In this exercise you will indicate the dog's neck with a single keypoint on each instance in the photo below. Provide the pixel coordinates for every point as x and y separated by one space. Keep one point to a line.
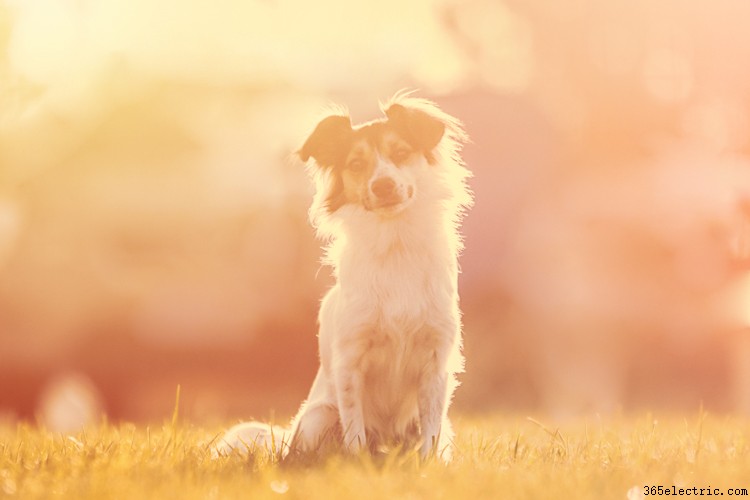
418 236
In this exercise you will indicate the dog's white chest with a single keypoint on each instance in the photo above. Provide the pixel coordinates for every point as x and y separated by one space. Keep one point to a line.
399 291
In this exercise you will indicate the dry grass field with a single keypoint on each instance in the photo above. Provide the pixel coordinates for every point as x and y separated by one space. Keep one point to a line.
497 457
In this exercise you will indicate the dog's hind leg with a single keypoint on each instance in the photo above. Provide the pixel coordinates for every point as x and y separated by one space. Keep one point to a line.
317 422
317 428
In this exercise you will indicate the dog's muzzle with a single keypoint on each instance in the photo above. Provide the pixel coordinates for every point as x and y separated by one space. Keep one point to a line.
386 194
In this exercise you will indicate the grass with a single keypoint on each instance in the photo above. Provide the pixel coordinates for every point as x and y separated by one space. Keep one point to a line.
496 457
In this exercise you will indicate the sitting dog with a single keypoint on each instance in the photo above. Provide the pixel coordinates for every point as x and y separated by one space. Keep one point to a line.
390 197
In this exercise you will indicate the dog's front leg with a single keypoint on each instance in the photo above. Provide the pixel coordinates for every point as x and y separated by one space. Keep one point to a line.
431 399
349 378
349 395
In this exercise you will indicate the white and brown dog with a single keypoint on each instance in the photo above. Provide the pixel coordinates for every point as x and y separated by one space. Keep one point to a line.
390 197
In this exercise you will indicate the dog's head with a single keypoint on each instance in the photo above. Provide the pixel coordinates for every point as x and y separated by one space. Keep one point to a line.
374 165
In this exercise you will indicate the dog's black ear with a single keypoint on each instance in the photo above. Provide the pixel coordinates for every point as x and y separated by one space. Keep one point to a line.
420 129
327 143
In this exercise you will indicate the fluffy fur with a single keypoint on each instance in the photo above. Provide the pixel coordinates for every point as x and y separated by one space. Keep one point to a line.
390 197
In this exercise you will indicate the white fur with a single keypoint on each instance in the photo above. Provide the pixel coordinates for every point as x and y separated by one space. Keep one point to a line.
390 329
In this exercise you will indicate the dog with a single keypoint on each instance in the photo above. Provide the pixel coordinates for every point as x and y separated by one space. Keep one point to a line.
391 194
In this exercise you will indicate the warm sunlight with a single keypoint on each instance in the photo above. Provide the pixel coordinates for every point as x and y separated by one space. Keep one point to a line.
161 279
154 225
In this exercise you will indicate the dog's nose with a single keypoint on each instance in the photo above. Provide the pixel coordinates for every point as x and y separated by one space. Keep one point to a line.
383 187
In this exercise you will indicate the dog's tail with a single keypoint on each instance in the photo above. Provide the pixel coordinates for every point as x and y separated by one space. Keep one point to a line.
254 437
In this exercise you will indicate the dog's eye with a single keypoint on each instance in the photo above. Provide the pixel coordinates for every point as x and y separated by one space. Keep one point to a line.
356 165
400 155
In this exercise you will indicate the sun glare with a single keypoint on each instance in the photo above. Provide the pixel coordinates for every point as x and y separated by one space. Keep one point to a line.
153 205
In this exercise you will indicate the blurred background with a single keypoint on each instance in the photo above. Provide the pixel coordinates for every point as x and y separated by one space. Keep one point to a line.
153 225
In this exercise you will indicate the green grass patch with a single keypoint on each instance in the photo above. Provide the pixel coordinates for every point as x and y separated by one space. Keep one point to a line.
496 457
